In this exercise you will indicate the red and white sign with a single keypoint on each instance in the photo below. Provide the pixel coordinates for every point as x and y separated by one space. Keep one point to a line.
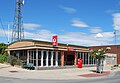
54 40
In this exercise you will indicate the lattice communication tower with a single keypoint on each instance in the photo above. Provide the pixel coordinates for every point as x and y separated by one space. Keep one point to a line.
18 30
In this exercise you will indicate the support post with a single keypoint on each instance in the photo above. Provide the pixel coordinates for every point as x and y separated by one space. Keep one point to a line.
75 58
56 60
62 58
52 58
27 56
42 58
36 58
46 58
88 58
83 60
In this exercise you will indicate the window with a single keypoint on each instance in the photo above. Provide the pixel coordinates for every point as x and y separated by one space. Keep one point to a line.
44 58
59 58
54 57
49 58
32 57
39 58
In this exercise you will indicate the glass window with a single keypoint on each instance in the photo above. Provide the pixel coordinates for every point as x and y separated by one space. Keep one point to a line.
44 58
34 54
34 62
32 57
86 58
59 58
81 55
39 54
54 57
39 58
49 58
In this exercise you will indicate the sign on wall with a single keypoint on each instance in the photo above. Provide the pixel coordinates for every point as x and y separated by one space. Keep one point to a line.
54 40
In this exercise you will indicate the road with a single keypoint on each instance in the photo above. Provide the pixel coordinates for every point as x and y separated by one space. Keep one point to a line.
113 78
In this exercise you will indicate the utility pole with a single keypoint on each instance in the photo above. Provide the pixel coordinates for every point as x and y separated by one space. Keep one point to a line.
18 30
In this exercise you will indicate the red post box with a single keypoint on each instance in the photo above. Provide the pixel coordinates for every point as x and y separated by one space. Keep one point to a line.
79 63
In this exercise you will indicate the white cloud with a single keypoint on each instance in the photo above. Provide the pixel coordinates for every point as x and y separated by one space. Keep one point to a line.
2 34
68 9
116 19
44 35
76 38
31 26
78 23
105 38
99 35
95 30
5 33
79 38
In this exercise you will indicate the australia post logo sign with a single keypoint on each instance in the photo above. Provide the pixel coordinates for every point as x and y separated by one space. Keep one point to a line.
54 40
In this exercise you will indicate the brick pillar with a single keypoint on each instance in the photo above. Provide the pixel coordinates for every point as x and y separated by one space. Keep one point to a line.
75 58
62 58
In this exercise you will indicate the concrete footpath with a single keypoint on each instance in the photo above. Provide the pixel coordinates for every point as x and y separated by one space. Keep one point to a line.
58 74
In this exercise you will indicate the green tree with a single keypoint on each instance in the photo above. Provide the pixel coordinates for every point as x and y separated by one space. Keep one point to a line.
3 49
3 52
99 55
2 58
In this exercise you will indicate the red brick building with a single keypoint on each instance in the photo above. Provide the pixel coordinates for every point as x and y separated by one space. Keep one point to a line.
43 54
115 49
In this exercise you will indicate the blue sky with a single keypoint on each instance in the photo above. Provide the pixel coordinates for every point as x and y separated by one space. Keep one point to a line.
79 22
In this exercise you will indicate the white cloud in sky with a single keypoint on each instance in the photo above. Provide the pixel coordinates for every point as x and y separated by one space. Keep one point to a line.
7 34
95 30
99 35
105 38
2 33
116 20
108 36
44 35
80 38
68 9
31 26
76 38
78 23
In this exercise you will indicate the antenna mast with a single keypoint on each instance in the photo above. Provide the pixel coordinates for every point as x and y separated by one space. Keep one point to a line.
115 36
8 33
18 30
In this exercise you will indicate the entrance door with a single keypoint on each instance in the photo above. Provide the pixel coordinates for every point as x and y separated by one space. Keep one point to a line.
69 58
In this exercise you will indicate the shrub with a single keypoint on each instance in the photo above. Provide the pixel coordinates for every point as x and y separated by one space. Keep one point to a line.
2 58
12 60
19 62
